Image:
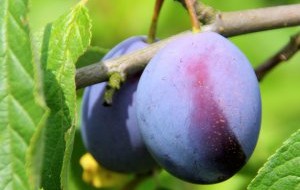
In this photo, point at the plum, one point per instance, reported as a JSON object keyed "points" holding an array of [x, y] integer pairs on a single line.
{"points": [[111, 134], [199, 108]]}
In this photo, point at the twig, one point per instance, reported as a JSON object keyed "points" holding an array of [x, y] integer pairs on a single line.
{"points": [[227, 24], [283, 55]]}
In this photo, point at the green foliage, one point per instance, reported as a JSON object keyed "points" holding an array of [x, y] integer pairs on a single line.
{"points": [[92, 55], [63, 42], [22, 109], [282, 170]]}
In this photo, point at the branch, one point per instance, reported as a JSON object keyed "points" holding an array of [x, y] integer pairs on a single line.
{"points": [[227, 23], [283, 55]]}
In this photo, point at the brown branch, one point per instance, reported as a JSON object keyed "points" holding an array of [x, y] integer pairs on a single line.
{"points": [[227, 24], [283, 55]]}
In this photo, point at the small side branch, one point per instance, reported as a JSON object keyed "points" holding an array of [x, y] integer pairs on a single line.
{"points": [[284, 54]]}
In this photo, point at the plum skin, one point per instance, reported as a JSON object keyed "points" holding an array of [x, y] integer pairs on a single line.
{"points": [[111, 134], [199, 108]]}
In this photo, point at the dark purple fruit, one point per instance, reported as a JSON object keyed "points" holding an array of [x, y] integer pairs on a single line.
{"points": [[199, 108], [111, 134]]}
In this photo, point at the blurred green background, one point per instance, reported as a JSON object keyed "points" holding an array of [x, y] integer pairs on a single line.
{"points": [[116, 20]]}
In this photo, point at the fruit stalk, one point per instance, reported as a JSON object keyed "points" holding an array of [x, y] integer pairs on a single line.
{"points": [[193, 15], [152, 30], [205, 14]]}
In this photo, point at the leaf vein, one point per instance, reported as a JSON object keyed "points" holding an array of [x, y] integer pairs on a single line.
{"points": [[21, 108], [17, 60]]}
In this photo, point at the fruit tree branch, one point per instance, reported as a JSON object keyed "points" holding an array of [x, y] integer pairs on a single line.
{"points": [[227, 23], [283, 55]]}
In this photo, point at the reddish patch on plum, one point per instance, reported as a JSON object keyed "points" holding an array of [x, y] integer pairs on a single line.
{"points": [[209, 128]]}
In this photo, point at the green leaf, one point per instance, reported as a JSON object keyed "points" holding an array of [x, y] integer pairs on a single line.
{"points": [[282, 171], [22, 108], [63, 42], [92, 55]]}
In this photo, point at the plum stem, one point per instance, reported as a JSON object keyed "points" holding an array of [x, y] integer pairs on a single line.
{"points": [[152, 30], [205, 14], [228, 24], [193, 16], [287, 52]]}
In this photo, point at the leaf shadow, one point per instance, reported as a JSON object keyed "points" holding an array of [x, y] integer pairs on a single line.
{"points": [[58, 122]]}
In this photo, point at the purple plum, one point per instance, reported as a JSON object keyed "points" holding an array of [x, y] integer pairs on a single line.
{"points": [[199, 108], [111, 133]]}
